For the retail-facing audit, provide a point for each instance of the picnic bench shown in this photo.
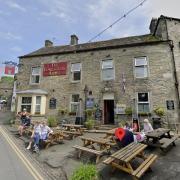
(123, 159)
(73, 127)
(160, 138)
(97, 146)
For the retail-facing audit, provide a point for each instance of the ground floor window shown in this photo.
(143, 103)
(26, 103)
(74, 102)
(38, 105)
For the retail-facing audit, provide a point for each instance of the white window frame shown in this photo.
(74, 71)
(73, 103)
(145, 65)
(36, 74)
(107, 68)
(38, 105)
(26, 104)
(143, 102)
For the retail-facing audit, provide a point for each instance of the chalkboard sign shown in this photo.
(52, 103)
(170, 104)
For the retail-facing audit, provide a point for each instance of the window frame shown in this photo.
(144, 66)
(143, 102)
(35, 74)
(35, 112)
(74, 103)
(26, 104)
(73, 71)
(107, 68)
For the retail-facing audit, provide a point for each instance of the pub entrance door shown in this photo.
(108, 111)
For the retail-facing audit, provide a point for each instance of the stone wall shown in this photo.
(160, 83)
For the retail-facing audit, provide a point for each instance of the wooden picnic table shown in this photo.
(123, 158)
(97, 146)
(160, 138)
(70, 127)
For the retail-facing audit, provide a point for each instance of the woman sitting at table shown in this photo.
(147, 126)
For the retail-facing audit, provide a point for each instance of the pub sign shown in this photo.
(55, 69)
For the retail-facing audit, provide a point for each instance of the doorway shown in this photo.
(108, 111)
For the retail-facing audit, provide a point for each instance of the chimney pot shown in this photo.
(48, 43)
(74, 40)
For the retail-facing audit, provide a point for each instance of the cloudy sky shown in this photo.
(25, 24)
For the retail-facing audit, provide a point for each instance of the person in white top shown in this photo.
(147, 126)
(45, 131)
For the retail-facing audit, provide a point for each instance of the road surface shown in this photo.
(13, 164)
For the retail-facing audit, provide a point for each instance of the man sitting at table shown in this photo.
(124, 137)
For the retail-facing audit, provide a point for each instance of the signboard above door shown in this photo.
(55, 69)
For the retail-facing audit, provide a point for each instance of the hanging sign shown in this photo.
(9, 69)
(55, 69)
(170, 104)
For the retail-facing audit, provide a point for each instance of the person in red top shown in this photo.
(135, 125)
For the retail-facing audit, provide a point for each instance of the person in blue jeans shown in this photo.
(35, 137)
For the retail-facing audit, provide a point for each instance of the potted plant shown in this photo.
(159, 111)
(128, 111)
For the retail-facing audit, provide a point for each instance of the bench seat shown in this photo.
(165, 142)
(144, 166)
(93, 151)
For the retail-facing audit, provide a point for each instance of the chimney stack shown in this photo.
(48, 43)
(153, 25)
(74, 40)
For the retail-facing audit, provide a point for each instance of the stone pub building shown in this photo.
(140, 72)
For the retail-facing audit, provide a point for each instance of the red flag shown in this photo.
(9, 69)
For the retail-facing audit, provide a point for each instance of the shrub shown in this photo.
(90, 123)
(89, 113)
(159, 111)
(52, 121)
(85, 172)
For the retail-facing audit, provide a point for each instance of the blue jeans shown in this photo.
(36, 139)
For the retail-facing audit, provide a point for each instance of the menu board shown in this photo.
(52, 103)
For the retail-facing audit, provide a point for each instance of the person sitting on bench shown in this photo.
(147, 126)
(35, 137)
(25, 121)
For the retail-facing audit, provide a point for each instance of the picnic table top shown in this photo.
(96, 140)
(127, 153)
(73, 125)
(157, 133)
(111, 132)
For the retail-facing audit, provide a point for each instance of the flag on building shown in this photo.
(9, 69)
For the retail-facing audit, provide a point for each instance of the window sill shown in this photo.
(34, 84)
(75, 82)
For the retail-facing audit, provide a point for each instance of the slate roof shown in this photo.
(113, 43)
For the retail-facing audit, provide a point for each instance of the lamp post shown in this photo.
(85, 95)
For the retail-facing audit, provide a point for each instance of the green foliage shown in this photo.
(72, 113)
(128, 111)
(85, 172)
(159, 111)
(90, 123)
(7, 79)
(62, 111)
(144, 113)
(89, 113)
(52, 121)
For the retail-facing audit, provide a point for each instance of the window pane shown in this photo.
(27, 107)
(107, 64)
(76, 76)
(108, 74)
(38, 99)
(74, 107)
(75, 98)
(26, 100)
(35, 79)
(143, 107)
(142, 97)
(140, 61)
(37, 109)
(141, 72)
(35, 70)
(76, 67)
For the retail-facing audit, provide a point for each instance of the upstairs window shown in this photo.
(143, 103)
(74, 102)
(141, 69)
(35, 75)
(76, 72)
(107, 70)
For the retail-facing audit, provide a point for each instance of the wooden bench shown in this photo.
(166, 142)
(81, 149)
(144, 166)
(72, 134)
